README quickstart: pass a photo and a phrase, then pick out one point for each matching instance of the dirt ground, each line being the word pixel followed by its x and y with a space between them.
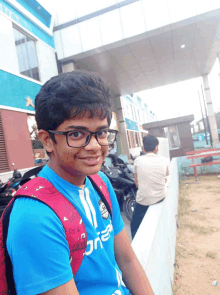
pixel 197 263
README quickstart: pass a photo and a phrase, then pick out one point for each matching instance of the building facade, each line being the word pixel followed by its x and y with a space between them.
pixel 27 60
pixel 136 113
pixel 201 132
pixel 178 133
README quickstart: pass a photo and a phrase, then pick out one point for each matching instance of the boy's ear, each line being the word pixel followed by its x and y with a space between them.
pixel 46 140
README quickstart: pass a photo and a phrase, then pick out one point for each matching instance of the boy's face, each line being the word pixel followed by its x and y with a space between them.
pixel 82 161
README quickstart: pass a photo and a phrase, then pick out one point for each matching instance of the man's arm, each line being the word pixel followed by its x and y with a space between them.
pixel 133 274
pixel 136 179
pixel 67 289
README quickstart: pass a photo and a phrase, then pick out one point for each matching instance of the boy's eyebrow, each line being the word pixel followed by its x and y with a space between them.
pixel 85 128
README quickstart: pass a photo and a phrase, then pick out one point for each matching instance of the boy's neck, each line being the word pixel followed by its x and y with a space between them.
pixel 77 180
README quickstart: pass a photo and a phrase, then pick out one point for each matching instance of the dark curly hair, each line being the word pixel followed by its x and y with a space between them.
pixel 69 95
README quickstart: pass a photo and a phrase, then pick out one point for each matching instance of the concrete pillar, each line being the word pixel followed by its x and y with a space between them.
pixel 68 67
pixel 122 128
pixel 211 114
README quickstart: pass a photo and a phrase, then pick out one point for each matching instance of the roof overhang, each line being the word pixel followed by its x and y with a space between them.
pixel 155 58
pixel 169 122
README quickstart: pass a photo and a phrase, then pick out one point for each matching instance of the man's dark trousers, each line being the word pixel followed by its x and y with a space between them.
pixel 139 212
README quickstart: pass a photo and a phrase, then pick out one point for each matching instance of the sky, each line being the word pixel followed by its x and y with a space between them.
pixel 182 98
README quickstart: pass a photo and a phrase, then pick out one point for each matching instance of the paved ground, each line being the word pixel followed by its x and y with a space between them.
pixel 127 225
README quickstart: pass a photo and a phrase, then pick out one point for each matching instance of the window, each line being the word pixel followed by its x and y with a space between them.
pixel 143 118
pixel 27 55
pixel 138 115
pixel 127 111
pixel 131 112
pixel 133 139
pixel 201 126
pixel 171 133
pixel 134 117
pixel 137 139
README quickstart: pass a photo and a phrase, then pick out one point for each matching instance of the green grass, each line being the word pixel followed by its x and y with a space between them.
pixel 211 255
pixel 201 230
pixel 184 203
pixel 201 217
pixel 208 187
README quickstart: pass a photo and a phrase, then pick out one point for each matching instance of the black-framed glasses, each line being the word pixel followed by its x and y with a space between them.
pixel 81 138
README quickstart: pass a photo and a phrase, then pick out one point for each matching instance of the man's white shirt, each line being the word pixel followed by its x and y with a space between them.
pixel 151 172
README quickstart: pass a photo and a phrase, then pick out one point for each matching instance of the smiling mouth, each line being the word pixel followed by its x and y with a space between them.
pixel 91 160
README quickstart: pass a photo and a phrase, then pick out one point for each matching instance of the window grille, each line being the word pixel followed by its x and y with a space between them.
pixel 4 167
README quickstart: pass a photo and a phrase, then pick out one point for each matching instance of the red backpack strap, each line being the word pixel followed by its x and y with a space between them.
pixel 7 285
pixel 42 190
pixel 102 190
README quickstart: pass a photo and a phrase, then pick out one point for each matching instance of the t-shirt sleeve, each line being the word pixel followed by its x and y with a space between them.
pixel 37 247
pixel 117 221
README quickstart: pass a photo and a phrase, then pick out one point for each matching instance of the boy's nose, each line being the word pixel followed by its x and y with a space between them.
pixel 93 143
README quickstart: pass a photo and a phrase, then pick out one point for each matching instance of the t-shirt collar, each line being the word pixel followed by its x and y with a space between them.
pixel 55 178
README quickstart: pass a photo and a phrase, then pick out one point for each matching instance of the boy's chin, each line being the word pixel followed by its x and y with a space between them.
pixel 93 170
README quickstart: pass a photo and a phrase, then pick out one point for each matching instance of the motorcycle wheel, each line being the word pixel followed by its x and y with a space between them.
pixel 128 207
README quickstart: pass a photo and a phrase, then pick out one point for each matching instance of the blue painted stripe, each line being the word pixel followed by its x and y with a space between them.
pixel 131 125
pixel 41 14
pixel 26 23
pixel 15 90
pixel 128 99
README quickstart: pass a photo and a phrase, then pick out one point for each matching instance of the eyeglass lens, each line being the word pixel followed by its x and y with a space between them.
pixel 81 138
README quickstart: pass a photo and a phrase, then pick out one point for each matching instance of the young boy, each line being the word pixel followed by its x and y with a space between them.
pixel 73 114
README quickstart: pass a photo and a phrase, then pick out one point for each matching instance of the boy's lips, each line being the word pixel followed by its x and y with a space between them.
pixel 91 160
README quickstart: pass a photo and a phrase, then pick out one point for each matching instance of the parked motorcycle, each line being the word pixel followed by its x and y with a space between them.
pixel 6 194
pixel 118 162
pixel 122 180
pixel 14 181
pixel 8 189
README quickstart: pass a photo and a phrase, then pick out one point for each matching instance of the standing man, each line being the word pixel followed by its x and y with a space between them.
pixel 73 114
pixel 150 171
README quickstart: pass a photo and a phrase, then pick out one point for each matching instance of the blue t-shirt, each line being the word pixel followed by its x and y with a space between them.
pixel 39 250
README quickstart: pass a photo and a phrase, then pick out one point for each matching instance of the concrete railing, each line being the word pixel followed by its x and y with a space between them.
pixel 155 240
pixel 184 169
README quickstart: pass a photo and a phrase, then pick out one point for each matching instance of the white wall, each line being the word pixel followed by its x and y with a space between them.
pixel 8 54
pixel 47 61
pixel 135 152
pixel 155 241
pixel 164 149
